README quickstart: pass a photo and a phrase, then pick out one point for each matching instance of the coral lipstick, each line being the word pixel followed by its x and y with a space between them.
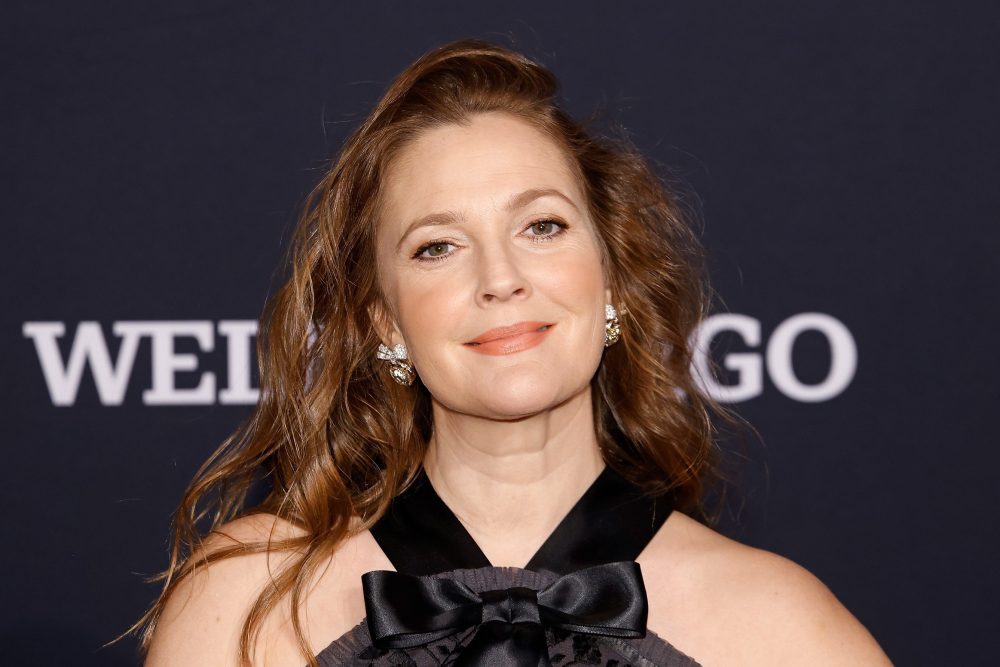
pixel 510 339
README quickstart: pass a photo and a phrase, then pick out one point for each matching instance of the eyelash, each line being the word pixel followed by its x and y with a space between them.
pixel 562 226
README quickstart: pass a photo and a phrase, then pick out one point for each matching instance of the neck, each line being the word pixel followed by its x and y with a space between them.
pixel 511 482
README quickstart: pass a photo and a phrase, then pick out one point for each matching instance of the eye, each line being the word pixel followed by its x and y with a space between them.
pixel 546 229
pixel 432 251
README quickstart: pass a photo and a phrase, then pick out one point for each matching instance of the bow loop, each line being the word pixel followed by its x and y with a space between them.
pixel 406 610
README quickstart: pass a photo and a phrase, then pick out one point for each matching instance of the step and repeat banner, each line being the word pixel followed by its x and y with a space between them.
pixel 841 156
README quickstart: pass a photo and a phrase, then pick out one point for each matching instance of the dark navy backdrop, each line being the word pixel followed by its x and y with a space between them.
pixel 845 156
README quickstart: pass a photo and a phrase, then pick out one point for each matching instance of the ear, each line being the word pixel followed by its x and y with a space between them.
pixel 607 297
pixel 384 324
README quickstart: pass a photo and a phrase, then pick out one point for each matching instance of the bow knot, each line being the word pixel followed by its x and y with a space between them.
pixel 511 605
pixel 405 610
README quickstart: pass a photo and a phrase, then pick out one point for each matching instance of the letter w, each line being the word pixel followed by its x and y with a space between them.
pixel 89 347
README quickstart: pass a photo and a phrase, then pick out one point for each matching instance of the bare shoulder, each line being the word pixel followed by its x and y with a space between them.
pixel 743 605
pixel 203 617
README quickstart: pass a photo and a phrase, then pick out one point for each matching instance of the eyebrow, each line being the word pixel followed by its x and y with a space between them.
pixel 515 202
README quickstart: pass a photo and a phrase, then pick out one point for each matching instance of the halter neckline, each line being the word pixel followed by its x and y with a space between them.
pixel 612 521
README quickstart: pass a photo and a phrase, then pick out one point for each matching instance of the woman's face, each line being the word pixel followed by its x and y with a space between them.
pixel 485 233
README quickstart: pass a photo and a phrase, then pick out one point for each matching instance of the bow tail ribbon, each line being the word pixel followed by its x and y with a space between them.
pixel 498 643
pixel 406 610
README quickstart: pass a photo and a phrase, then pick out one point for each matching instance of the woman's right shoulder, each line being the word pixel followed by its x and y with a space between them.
pixel 203 617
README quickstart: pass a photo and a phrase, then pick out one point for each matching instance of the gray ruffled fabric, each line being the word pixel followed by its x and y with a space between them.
pixel 355 649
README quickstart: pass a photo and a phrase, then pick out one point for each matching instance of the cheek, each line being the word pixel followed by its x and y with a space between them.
pixel 576 282
pixel 428 307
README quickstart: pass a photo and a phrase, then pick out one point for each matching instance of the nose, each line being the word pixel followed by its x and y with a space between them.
pixel 501 277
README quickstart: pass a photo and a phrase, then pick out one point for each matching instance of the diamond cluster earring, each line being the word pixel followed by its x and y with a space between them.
pixel 400 367
pixel 612 328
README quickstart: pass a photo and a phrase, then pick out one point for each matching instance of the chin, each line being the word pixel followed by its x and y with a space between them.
pixel 513 410
pixel 509 393
pixel 514 400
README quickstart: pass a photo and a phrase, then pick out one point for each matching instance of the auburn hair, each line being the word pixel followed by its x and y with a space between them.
pixel 334 439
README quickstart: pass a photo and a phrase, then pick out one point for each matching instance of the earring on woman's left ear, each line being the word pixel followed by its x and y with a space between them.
pixel 612 327
pixel 400 367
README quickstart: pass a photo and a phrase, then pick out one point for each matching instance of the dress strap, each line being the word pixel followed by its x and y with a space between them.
pixel 613 520
pixel 420 535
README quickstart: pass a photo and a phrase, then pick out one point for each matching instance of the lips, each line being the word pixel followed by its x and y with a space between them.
pixel 508 332
pixel 510 339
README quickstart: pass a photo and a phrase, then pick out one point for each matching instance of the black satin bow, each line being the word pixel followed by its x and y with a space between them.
pixel 405 610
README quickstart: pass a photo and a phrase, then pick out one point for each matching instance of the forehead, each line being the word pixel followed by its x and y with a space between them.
pixel 473 167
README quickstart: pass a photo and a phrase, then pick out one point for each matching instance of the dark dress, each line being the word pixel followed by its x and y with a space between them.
pixel 529 616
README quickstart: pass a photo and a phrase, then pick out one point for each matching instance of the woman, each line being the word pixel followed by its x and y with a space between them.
pixel 477 418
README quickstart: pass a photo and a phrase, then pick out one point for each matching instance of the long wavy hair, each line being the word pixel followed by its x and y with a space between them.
pixel 335 439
